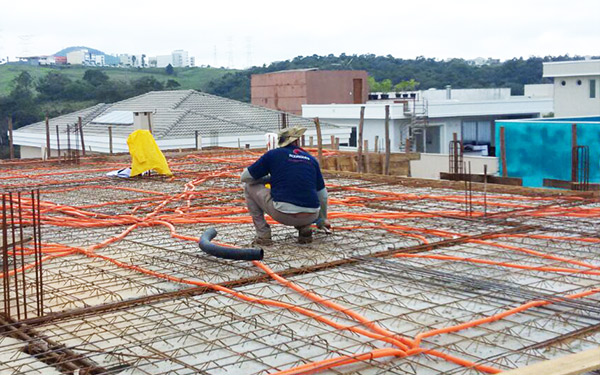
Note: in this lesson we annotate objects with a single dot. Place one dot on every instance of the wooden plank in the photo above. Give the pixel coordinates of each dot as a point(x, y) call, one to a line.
point(366, 148)
point(572, 364)
point(569, 185)
point(11, 144)
point(512, 181)
point(79, 124)
point(48, 150)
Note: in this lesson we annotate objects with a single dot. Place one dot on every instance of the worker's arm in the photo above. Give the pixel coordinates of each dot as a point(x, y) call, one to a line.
point(247, 177)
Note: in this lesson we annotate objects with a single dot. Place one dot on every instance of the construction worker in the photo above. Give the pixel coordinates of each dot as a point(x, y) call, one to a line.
point(297, 196)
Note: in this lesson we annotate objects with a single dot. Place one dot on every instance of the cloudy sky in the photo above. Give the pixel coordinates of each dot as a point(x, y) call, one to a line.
point(240, 33)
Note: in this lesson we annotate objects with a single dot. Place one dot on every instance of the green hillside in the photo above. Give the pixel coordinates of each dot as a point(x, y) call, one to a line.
point(188, 78)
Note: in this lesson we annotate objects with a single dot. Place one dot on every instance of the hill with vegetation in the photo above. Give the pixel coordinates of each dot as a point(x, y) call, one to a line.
point(420, 73)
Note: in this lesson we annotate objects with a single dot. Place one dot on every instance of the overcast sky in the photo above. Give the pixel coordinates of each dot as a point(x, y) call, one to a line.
point(244, 33)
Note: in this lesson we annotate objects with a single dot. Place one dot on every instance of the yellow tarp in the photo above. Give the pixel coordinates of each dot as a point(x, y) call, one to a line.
point(145, 154)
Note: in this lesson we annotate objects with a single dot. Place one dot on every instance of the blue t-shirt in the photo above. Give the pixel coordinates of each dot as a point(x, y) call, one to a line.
point(295, 175)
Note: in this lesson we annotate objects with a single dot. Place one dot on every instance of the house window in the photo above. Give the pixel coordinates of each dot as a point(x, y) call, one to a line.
point(592, 88)
point(563, 83)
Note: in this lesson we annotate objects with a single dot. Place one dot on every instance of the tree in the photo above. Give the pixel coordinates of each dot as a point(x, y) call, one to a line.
point(169, 70)
point(95, 77)
point(146, 84)
point(143, 60)
point(133, 59)
point(52, 86)
point(172, 84)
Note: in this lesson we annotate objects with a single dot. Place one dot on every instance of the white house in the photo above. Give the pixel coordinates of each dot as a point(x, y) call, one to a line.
point(576, 87)
point(174, 117)
point(430, 118)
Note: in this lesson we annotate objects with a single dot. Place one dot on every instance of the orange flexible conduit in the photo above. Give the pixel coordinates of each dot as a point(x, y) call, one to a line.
point(161, 215)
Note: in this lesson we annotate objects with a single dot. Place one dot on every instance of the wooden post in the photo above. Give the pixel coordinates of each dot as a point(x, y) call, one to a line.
point(110, 140)
point(58, 143)
point(376, 146)
point(319, 141)
point(574, 153)
point(239, 144)
point(10, 139)
point(366, 149)
point(48, 151)
point(149, 123)
point(196, 139)
point(283, 120)
point(333, 142)
point(310, 141)
point(407, 146)
point(69, 140)
point(503, 152)
point(79, 123)
point(360, 139)
point(303, 142)
point(386, 167)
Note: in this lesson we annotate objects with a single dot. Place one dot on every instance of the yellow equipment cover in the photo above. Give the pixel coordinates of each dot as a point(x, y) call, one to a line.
point(145, 154)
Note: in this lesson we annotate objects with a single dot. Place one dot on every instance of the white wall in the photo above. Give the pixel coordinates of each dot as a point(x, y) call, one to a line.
point(573, 98)
point(163, 60)
point(467, 94)
point(431, 165)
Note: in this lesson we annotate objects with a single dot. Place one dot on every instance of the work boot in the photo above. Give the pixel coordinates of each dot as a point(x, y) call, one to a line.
point(305, 234)
point(262, 241)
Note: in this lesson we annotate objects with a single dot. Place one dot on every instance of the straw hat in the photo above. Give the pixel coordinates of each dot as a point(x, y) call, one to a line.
point(289, 135)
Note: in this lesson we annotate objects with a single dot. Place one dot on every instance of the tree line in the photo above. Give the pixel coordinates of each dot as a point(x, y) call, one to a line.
point(402, 74)
point(56, 94)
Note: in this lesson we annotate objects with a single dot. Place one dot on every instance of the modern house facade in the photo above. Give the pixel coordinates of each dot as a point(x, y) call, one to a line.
point(576, 87)
point(289, 90)
point(430, 118)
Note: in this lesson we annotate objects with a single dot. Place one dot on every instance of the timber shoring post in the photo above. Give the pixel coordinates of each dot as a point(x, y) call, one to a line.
point(110, 140)
point(574, 162)
point(386, 168)
point(48, 151)
point(376, 146)
point(79, 124)
point(360, 139)
point(58, 143)
point(319, 142)
point(366, 148)
point(11, 144)
point(503, 152)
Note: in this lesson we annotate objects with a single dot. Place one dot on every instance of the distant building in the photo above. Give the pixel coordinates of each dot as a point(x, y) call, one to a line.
point(180, 58)
point(38, 60)
point(76, 57)
point(163, 60)
point(192, 61)
point(576, 87)
point(288, 90)
point(60, 60)
point(125, 59)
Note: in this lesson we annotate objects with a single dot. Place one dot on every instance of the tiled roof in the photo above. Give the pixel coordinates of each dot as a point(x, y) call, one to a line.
point(179, 114)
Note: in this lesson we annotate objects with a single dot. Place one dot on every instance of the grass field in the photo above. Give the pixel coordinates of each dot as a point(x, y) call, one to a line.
point(188, 78)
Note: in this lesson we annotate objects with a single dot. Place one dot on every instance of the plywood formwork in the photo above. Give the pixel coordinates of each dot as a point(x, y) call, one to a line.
point(415, 279)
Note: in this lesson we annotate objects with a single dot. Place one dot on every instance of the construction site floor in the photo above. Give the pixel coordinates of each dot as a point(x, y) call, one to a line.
point(414, 279)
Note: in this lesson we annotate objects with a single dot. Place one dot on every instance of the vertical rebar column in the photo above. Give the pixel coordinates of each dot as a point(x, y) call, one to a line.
point(35, 250)
point(5, 286)
point(39, 232)
point(14, 251)
point(22, 242)
point(69, 156)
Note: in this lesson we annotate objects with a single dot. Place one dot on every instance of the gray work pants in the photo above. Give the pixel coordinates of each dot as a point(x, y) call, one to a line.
point(259, 201)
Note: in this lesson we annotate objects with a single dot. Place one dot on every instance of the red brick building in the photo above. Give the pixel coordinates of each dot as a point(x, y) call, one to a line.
point(287, 90)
